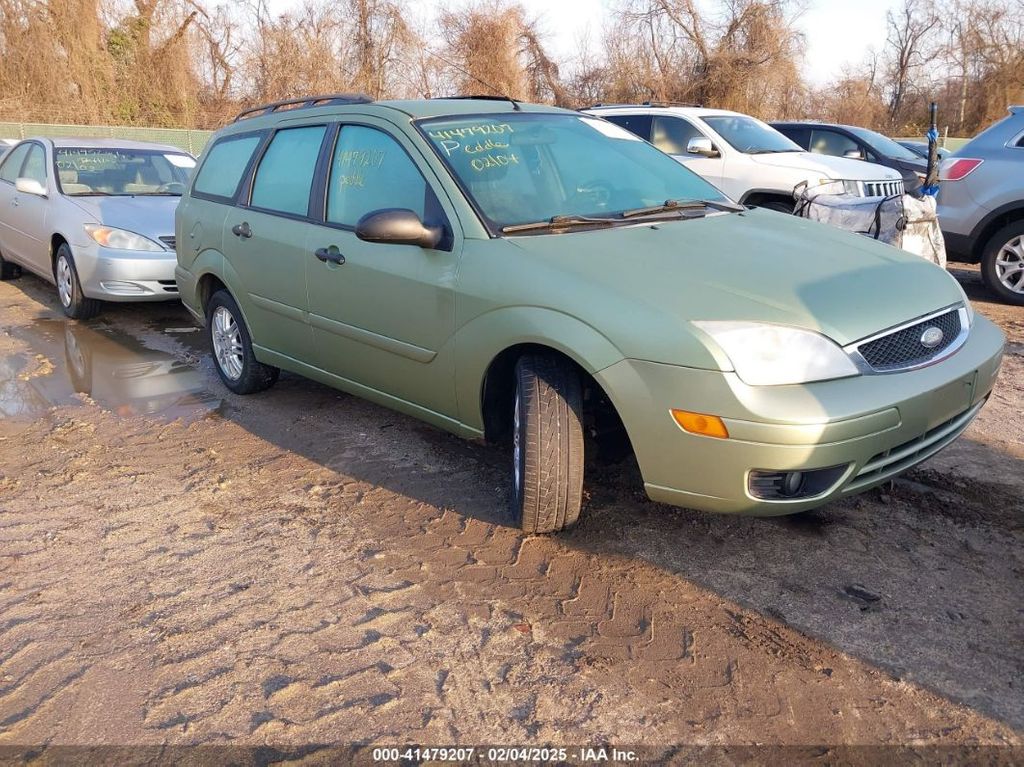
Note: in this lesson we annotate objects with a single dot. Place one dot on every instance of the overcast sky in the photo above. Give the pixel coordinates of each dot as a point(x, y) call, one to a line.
point(838, 32)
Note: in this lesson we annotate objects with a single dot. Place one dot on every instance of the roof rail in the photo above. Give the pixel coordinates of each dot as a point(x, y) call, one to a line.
point(648, 104)
point(482, 97)
point(305, 102)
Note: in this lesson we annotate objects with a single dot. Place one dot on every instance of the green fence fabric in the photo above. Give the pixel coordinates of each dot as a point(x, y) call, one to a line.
point(191, 141)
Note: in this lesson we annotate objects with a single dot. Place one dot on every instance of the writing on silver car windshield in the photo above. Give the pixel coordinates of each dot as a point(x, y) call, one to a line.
point(522, 170)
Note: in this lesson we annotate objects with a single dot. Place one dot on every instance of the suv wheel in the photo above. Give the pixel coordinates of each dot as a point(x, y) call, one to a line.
point(547, 444)
point(1002, 263)
point(231, 344)
point(69, 287)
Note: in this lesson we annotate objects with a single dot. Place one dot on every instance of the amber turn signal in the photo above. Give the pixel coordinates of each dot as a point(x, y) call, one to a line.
point(699, 423)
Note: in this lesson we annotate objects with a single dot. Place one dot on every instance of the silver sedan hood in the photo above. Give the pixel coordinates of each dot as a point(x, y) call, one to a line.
point(151, 216)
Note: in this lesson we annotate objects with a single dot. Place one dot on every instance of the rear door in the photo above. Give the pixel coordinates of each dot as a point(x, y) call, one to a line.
point(383, 318)
point(264, 240)
point(638, 124)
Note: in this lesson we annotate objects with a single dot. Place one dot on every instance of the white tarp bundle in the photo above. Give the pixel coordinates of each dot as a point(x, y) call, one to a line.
point(904, 221)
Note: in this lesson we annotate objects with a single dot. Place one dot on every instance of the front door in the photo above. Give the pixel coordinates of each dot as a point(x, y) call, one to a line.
point(672, 135)
point(265, 238)
point(385, 317)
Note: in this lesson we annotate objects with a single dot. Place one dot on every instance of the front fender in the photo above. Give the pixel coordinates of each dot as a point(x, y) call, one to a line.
point(482, 339)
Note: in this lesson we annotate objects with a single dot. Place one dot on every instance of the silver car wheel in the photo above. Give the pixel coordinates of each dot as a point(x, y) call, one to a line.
point(64, 280)
point(517, 449)
point(1010, 265)
point(227, 343)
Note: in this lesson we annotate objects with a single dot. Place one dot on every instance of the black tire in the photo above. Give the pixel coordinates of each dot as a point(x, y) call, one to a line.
point(547, 466)
point(9, 270)
point(251, 375)
point(1014, 233)
point(778, 206)
point(75, 304)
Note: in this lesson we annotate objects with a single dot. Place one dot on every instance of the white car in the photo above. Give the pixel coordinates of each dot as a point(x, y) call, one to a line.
point(747, 159)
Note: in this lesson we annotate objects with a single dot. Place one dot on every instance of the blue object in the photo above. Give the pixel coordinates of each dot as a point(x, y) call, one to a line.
point(932, 134)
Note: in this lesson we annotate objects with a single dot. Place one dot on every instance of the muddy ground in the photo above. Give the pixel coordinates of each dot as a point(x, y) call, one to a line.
point(180, 565)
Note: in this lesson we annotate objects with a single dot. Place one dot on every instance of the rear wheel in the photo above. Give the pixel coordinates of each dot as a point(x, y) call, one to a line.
point(69, 287)
point(547, 444)
point(1002, 263)
point(231, 344)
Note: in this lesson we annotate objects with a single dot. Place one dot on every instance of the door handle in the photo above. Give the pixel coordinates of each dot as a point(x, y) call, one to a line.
point(329, 255)
point(242, 230)
point(15, 203)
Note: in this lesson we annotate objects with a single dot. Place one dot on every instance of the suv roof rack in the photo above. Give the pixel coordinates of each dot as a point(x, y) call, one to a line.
point(650, 104)
point(482, 97)
point(305, 102)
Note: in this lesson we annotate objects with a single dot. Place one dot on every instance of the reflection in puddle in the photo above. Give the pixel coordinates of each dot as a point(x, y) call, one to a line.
point(110, 367)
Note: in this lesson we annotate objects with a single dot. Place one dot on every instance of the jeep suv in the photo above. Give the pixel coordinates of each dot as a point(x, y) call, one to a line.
point(545, 279)
point(981, 205)
point(747, 159)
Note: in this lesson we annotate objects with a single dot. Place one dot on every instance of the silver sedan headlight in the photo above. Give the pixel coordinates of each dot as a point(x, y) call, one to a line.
point(771, 355)
point(121, 239)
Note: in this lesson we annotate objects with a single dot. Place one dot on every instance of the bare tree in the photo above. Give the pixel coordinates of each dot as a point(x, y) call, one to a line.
point(909, 45)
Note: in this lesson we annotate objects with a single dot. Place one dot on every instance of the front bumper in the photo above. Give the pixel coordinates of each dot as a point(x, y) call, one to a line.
point(876, 426)
point(126, 275)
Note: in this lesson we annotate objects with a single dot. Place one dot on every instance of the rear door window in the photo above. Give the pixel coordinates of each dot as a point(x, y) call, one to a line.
point(638, 124)
point(285, 174)
point(11, 168)
point(832, 143)
point(224, 166)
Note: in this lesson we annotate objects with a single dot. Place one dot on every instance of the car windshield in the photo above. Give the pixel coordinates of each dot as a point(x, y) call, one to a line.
point(883, 145)
point(85, 171)
point(750, 136)
point(527, 167)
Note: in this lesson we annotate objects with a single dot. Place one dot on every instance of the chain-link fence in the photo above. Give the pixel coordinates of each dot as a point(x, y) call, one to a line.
point(191, 141)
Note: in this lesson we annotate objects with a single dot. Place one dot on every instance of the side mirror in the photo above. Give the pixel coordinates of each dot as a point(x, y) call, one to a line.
point(702, 146)
point(854, 154)
point(30, 186)
point(398, 226)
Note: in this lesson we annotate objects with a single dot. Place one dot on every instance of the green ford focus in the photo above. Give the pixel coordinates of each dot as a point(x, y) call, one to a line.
point(543, 279)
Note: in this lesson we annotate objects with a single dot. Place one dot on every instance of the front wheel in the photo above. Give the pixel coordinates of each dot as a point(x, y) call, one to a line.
point(547, 444)
point(69, 287)
point(231, 344)
point(1002, 263)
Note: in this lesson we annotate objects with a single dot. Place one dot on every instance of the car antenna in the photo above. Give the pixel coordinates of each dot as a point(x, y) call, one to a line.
point(515, 104)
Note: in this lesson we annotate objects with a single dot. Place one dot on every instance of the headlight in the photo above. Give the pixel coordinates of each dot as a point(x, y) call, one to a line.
point(121, 239)
point(770, 355)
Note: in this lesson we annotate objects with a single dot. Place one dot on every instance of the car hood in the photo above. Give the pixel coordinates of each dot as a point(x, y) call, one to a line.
point(828, 166)
point(641, 286)
point(150, 216)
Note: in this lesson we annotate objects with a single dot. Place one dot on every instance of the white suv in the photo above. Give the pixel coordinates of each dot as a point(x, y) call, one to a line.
point(747, 159)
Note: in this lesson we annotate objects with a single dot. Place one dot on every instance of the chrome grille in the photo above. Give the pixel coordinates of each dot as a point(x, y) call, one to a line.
point(170, 242)
point(904, 348)
point(882, 188)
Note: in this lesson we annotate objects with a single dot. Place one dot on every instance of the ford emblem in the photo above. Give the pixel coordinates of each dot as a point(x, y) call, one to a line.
point(932, 337)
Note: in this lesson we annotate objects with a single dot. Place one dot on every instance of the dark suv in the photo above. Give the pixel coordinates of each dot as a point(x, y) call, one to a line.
point(858, 144)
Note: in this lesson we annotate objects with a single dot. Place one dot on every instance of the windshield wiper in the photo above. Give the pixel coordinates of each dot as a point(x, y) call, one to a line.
point(683, 205)
point(557, 222)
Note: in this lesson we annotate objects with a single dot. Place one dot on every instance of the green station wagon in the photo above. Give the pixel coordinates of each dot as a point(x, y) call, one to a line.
point(541, 277)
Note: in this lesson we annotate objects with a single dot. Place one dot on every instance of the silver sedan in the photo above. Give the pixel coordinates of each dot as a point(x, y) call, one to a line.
point(93, 216)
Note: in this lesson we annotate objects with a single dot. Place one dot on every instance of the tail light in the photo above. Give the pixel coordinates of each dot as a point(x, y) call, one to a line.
point(957, 168)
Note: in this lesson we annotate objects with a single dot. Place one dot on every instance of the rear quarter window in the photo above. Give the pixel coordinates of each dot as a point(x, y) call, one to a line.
point(224, 166)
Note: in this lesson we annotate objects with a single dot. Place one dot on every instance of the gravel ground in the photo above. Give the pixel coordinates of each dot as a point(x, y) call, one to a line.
point(179, 565)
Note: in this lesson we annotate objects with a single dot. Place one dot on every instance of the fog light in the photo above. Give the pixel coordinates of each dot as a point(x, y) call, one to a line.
point(701, 423)
point(120, 287)
point(791, 485)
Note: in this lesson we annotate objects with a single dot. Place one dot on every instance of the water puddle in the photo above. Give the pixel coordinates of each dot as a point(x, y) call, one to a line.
point(71, 361)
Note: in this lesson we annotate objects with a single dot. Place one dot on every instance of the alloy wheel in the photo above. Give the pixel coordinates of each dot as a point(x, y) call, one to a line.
point(65, 281)
point(227, 343)
point(1010, 265)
